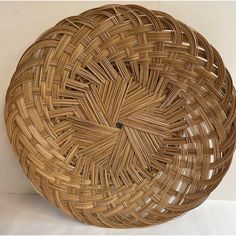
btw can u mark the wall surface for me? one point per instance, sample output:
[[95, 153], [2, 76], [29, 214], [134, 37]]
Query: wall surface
[[22, 22]]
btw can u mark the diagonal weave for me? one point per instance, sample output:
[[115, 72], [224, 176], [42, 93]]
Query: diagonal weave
[[122, 116]]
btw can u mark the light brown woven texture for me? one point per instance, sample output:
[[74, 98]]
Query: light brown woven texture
[[122, 116]]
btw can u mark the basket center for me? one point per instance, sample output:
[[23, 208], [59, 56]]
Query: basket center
[[119, 125]]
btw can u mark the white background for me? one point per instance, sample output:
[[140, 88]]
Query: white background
[[22, 22]]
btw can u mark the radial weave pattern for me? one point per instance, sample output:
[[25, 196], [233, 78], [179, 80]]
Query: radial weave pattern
[[122, 116]]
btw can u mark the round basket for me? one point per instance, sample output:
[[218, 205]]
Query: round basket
[[122, 116]]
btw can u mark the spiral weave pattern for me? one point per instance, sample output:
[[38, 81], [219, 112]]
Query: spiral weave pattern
[[122, 116]]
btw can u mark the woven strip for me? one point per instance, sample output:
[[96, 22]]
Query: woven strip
[[122, 116]]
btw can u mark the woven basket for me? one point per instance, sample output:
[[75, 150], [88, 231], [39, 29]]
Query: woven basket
[[122, 116]]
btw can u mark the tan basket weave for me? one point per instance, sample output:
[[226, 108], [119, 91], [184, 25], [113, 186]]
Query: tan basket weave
[[122, 116]]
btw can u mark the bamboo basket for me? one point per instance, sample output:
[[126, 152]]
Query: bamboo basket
[[122, 116]]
